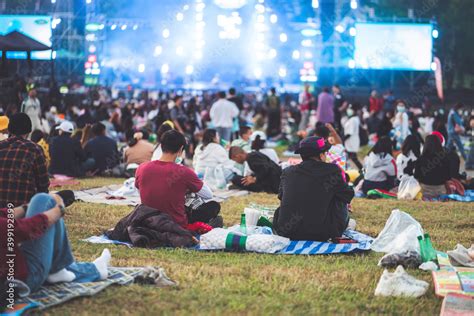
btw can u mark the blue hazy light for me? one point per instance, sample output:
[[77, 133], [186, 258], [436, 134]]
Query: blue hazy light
[[310, 32]]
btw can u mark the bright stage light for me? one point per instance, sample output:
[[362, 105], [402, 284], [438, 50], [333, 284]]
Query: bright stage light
[[353, 31], [179, 16], [54, 54], [283, 38], [296, 54], [260, 37], [92, 49], [53, 1], [310, 32], [200, 7], [158, 50], [351, 64], [200, 44], [260, 18], [315, 4], [339, 28], [186, 7], [198, 54], [199, 17], [113, 27], [353, 4], [307, 43], [282, 72], [88, 1], [230, 4], [434, 66], [141, 68], [308, 55], [179, 50], [124, 27], [166, 33], [257, 73], [260, 8], [165, 69], [259, 46], [273, 18], [435, 33], [272, 53], [189, 69], [135, 27]]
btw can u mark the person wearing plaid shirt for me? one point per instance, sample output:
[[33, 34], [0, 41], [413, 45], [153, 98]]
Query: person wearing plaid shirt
[[23, 170]]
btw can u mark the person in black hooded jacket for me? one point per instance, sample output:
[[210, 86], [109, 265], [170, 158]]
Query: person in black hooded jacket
[[314, 196]]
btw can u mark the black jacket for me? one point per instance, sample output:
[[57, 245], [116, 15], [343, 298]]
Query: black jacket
[[104, 151], [148, 228], [433, 169], [314, 200], [266, 171], [66, 156]]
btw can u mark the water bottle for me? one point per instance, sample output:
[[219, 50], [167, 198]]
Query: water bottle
[[422, 249], [430, 251], [243, 224]]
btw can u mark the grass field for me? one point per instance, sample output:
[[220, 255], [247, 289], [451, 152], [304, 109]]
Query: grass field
[[230, 283]]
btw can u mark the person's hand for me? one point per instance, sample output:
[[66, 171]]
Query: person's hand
[[248, 180], [58, 199]]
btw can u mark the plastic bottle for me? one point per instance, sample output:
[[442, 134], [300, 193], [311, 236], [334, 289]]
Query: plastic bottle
[[422, 249], [430, 251], [243, 224]]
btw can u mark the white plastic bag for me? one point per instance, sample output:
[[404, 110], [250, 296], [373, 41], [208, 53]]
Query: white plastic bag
[[399, 235], [408, 188], [215, 178]]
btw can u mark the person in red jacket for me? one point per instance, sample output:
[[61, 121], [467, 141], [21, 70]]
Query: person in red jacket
[[35, 248], [375, 103]]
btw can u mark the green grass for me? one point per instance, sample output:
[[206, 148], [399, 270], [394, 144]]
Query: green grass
[[219, 283]]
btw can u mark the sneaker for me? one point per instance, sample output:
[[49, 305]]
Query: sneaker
[[400, 283]]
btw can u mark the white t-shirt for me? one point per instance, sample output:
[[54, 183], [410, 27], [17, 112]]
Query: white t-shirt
[[223, 112], [157, 153], [402, 163], [351, 127]]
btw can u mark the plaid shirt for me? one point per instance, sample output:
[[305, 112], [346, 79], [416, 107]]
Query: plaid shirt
[[23, 171]]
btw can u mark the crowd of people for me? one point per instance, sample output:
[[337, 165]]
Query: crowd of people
[[181, 147]]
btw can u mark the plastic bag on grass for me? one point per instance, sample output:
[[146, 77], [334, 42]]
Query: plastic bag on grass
[[215, 178], [408, 188], [399, 234]]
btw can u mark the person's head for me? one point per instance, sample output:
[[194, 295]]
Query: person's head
[[237, 154], [273, 91], [98, 129], [130, 136], [32, 93], [173, 142], [383, 147], [209, 136], [36, 135], [321, 130], [373, 94], [65, 128], [221, 95], [245, 132], [178, 100], [313, 148], [326, 89], [351, 110], [412, 144], [336, 89], [19, 125], [166, 126], [258, 140], [306, 87], [232, 91], [401, 106], [432, 146], [459, 106]]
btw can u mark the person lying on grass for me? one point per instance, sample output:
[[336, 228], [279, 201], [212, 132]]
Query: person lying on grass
[[35, 247], [164, 184], [265, 173], [314, 196]]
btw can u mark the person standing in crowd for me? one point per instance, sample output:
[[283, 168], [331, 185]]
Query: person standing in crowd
[[102, 149], [222, 115], [234, 98], [164, 183], [456, 128], [274, 114], [264, 173], [325, 110], [388, 101], [23, 170], [32, 107], [313, 195], [432, 168], [375, 103], [351, 135], [178, 115], [305, 98], [401, 124], [340, 105], [67, 156]]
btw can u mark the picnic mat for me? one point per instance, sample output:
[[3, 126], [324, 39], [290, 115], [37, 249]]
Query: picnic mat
[[103, 195], [296, 247], [467, 197], [51, 295], [451, 279], [457, 305]]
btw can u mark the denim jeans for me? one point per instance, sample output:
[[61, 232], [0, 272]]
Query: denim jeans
[[456, 139], [224, 132], [51, 252]]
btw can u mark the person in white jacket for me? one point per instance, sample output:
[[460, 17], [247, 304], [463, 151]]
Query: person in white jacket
[[380, 167], [406, 159], [210, 154], [401, 124], [351, 135]]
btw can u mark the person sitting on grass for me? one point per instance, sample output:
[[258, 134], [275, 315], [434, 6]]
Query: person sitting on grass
[[243, 142], [258, 140], [406, 160], [380, 167], [139, 150], [157, 152], [264, 173], [102, 149], [211, 154], [41, 248], [164, 184], [314, 196]]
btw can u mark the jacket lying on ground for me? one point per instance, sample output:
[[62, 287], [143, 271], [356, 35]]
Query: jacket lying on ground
[[148, 228], [313, 198]]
